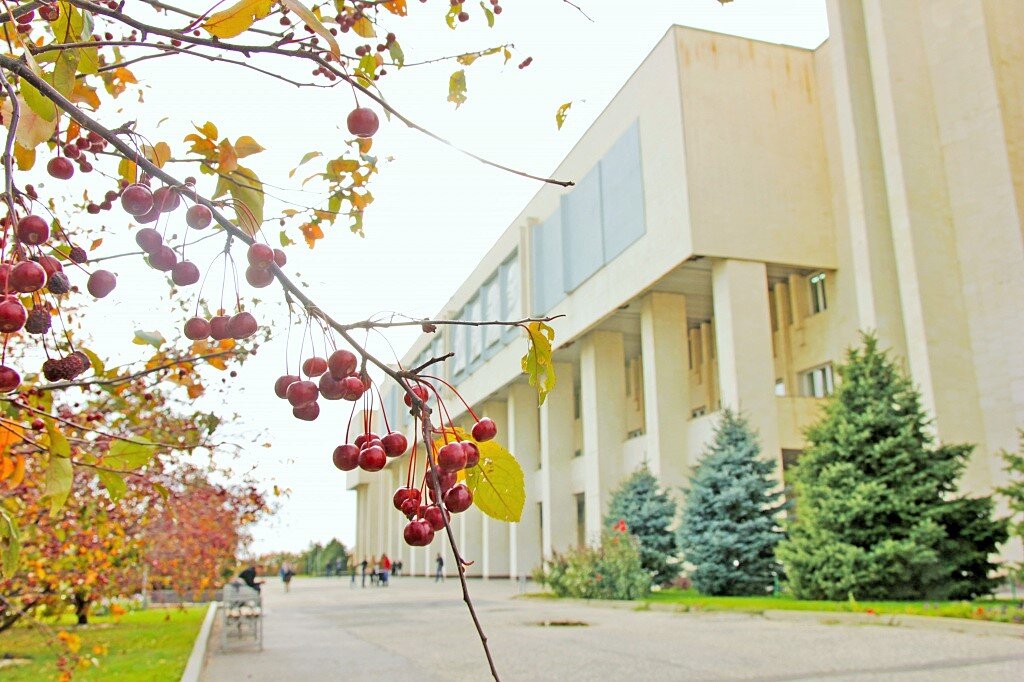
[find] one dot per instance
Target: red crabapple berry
(101, 283)
(458, 499)
(60, 168)
(58, 283)
(185, 273)
(472, 453)
(166, 199)
(445, 479)
(363, 122)
(50, 265)
(10, 380)
(26, 277)
(12, 315)
(78, 255)
(405, 494)
(418, 534)
(198, 217)
(38, 321)
(451, 457)
(365, 438)
(163, 259)
(395, 444)
(421, 393)
(260, 255)
(258, 277)
(219, 328)
(314, 367)
(242, 325)
(280, 258)
(301, 393)
(197, 329)
(330, 389)
(341, 363)
(346, 457)
(307, 412)
(484, 430)
(435, 516)
(353, 388)
(372, 458)
(33, 230)
(282, 383)
(149, 240)
(137, 200)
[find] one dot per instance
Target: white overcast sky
(436, 212)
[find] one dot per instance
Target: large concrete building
(742, 211)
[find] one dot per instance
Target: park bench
(241, 616)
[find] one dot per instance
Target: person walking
(363, 567)
(385, 570)
(396, 568)
(286, 575)
(352, 572)
(439, 573)
(373, 570)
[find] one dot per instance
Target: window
(491, 301)
(475, 333)
(511, 310)
(780, 388)
(818, 382)
(459, 343)
(818, 301)
(698, 412)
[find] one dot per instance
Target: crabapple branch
(60, 385)
(370, 324)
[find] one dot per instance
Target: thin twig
(60, 385)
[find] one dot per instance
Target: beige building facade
(742, 211)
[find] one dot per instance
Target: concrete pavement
(414, 629)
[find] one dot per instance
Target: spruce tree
(730, 528)
(876, 517)
(1013, 493)
(647, 512)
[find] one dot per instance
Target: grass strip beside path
(140, 646)
(993, 610)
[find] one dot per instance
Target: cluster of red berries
(63, 168)
(261, 257)
(339, 380)
(369, 451)
(25, 274)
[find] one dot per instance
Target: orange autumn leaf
(6, 467)
(19, 473)
(10, 433)
(311, 232)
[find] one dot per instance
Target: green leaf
(457, 88)
(397, 56)
(10, 543)
(245, 188)
(285, 239)
(497, 482)
(489, 14)
(42, 105)
(58, 482)
(309, 156)
(114, 483)
(562, 112)
(453, 15)
(127, 455)
(162, 489)
(155, 339)
(537, 363)
(98, 367)
(59, 446)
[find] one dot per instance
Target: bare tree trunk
(82, 603)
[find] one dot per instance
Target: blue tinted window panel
(583, 244)
(622, 194)
(546, 266)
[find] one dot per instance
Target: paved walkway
(416, 630)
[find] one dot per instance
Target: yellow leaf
(364, 28)
(159, 155)
(85, 94)
(237, 19)
(95, 244)
(127, 170)
(195, 390)
(457, 88)
(207, 130)
(26, 158)
(364, 144)
(32, 128)
(537, 363)
(246, 146)
(19, 473)
(497, 481)
(247, 190)
(227, 158)
(562, 112)
(313, 22)
(6, 467)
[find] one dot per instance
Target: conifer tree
(730, 528)
(647, 512)
(1013, 493)
(876, 515)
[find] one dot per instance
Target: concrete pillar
(664, 347)
(524, 443)
(743, 335)
(603, 402)
(495, 534)
(927, 263)
(865, 210)
(708, 375)
(556, 451)
(783, 320)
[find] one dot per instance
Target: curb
(194, 667)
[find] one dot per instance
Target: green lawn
(993, 610)
(143, 646)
